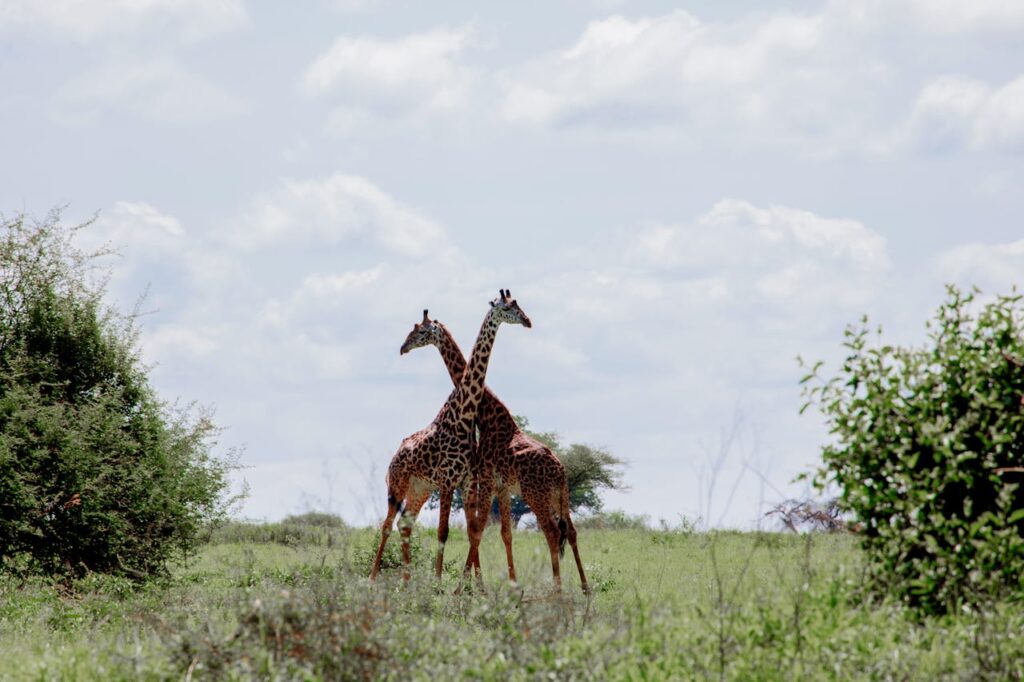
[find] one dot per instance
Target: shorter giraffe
(444, 455)
(521, 465)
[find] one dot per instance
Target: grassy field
(293, 602)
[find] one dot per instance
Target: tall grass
(668, 604)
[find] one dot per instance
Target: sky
(684, 197)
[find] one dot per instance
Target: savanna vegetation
(290, 601)
(118, 562)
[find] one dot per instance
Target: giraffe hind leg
(541, 507)
(568, 532)
(406, 520)
(442, 530)
(394, 506)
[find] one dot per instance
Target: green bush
(96, 473)
(316, 519)
(927, 448)
(289, 533)
(612, 520)
(364, 555)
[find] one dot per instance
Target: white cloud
(417, 73)
(145, 240)
(781, 79)
(781, 254)
(993, 267)
(820, 84)
(158, 90)
(333, 210)
(1000, 122)
(138, 224)
(182, 342)
(936, 16)
(320, 293)
(94, 20)
(955, 112)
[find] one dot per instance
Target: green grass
(268, 602)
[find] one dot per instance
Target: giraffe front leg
(472, 507)
(469, 512)
(483, 491)
(505, 511)
(442, 530)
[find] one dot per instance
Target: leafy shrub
(288, 534)
(927, 448)
(317, 519)
(96, 473)
(364, 556)
(613, 520)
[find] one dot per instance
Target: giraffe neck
(499, 417)
(452, 355)
(471, 385)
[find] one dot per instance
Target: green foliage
(96, 473)
(365, 554)
(589, 470)
(926, 441)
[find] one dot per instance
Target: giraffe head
(505, 309)
(423, 333)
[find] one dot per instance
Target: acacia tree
(96, 472)
(928, 447)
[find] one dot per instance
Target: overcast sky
(682, 196)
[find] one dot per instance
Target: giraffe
(521, 464)
(443, 455)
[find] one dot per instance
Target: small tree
(928, 445)
(96, 473)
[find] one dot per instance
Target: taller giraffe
(443, 455)
(522, 465)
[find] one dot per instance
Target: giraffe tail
(563, 514)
